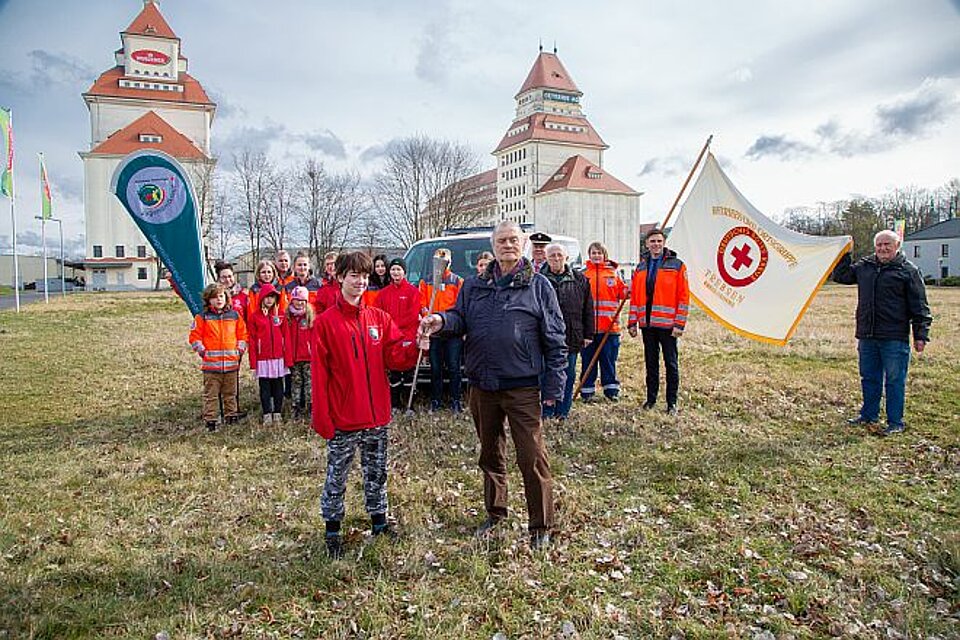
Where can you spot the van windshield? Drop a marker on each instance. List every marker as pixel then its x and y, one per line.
pixel 464 256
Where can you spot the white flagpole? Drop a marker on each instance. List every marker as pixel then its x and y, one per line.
pixel 63 266
pixel 16 261
pixel 43 241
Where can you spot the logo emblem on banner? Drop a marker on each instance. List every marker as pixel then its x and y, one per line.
pixel 157 194
pixel 742 257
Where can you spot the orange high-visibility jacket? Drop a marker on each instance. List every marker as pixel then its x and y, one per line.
pixel 607 289
pixel 446 296
pixel 221 338
pixel 671 294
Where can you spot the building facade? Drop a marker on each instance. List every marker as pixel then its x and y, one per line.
pixel 550 168
pixel 146 101
pixel 936 249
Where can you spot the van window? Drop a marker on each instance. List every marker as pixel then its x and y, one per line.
pixel 464 252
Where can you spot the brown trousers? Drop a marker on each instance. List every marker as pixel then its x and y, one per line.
pixel 522 408
pixel 215 384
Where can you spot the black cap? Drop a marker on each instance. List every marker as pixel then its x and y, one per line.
pixel 399 262
pixel 540 238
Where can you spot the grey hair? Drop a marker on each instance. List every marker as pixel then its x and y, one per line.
pixel 557 245
pixel 504 225
pixel 887 233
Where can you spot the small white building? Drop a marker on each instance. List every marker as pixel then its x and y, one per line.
pixel 147 101
pixel 936 249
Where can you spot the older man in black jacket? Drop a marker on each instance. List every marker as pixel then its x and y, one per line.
pixel 576 305
pixel 514 332
pixel 891 300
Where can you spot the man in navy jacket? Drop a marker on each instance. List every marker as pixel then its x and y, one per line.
pixel 514 333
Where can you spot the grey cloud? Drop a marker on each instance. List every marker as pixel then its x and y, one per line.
pixel 326 142
pixel 225 108
pixel 664 166
pixel 778 146
pixel 49 70
pixel 375 152
pixel 912 116
pixel 437 51
pixel 253 138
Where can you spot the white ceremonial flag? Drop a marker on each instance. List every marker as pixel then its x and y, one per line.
pixel 748 273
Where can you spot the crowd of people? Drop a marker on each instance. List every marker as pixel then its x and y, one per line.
pixel 343 347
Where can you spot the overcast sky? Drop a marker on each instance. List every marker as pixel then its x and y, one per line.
pixel 808 101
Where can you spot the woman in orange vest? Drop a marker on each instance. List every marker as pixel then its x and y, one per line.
pixel 607 289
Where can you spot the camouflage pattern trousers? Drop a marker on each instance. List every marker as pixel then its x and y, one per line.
pixel 300 373
pixel 373 463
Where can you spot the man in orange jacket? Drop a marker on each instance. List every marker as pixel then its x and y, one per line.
pixel 659 300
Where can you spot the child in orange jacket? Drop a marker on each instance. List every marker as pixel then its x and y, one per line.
pixel 219 337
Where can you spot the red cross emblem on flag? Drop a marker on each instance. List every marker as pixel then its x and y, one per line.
pixel 741 257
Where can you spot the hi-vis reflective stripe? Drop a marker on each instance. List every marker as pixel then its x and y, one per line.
pixel 229 353
pixel 220 366
pixel 606 314
pixel 612 304
pixel 661 309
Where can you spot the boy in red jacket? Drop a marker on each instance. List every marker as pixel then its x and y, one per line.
pixel 354 346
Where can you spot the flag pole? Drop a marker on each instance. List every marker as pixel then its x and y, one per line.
pixel 63 266
pixel 16 261
pixel 43 241
pixel 696 164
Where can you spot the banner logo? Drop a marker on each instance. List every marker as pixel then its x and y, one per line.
pixel 157 195
pixel 742 257
pixel 150 56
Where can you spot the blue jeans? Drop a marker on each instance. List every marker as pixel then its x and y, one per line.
pixel 606 363
pixel 562 408
pixel 883 367
pixel 445 352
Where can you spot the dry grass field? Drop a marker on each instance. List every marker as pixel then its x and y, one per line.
pixel 757 513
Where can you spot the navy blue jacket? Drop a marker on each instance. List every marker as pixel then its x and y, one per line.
pixel 891 297
pixel 513 330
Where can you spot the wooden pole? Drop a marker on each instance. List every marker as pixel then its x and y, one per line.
pixel 696 164
pixel 596 354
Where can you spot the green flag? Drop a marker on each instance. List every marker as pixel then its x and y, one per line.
pixel 6 146
pixel 46 202
pixel 155 191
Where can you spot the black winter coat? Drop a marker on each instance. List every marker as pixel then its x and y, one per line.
pixel 891 297
pixel 576 304
pixel 514 331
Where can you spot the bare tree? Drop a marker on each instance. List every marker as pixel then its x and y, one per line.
pixel 329 205
pixel 223 237
pixel 275 225
pixel 254 180
pixel 421 191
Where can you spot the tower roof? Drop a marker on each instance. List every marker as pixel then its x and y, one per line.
pixel 574 130
pixel 130 138
pixel 108 84
pixel 548 73
pixel 578 173
pixel 150 22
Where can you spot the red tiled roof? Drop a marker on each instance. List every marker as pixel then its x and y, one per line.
pixel 538 129
pixel 108 84
pixel 150 22
pixel 548 73
pixel 127 139
pixel 577 172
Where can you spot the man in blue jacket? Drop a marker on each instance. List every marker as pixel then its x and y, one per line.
pixel 514 332
pixel 891 299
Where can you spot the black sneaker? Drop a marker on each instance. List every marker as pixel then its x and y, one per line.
pixel 540 540
pixel 648 405
pixel 435 406
pixel 613 398
pixel 334 546
pixel 860 421
pixel 891 429
pixel 232 419
pixel 456 407
pixel 384 530
pixel 486 528
pixel 671 409
pixel 211 425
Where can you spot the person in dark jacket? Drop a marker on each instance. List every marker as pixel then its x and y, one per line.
pixel 576 305
pixel 891 299
pixel 514 332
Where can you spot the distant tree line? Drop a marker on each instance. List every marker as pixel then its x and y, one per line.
pixel 863 217
pixel 250 203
